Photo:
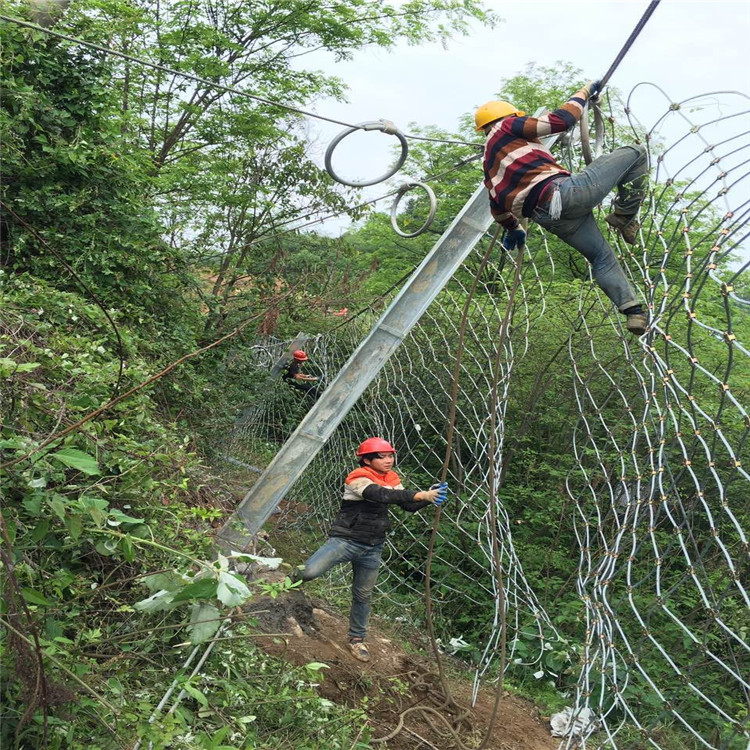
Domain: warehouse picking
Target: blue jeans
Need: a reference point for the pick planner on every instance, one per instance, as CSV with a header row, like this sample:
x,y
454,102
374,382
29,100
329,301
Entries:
x,y
365,562
625,167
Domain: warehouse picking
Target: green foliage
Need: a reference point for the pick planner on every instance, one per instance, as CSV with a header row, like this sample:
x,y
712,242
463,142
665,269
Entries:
x,y
171,200
227,171
74,182
540,423
212,587
86,519
159,200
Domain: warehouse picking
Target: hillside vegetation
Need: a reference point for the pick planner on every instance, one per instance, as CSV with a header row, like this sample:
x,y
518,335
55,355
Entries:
x,y
144,219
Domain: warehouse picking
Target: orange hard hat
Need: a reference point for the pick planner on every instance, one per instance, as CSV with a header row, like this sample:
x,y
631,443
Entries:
x,y
375,445
300,356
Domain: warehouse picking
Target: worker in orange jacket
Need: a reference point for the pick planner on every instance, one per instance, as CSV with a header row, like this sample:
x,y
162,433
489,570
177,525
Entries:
x,y
358,532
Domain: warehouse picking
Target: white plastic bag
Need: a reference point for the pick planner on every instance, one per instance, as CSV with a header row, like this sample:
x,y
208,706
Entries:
x,y
572,723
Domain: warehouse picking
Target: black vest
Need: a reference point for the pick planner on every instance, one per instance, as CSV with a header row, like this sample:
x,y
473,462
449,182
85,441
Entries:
x,y
362,522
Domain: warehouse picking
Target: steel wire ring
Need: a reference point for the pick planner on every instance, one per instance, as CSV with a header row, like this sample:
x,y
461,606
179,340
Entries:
x,y
385,126
405,188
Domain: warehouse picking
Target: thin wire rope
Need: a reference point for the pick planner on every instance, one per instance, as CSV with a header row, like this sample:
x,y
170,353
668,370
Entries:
x,y
494,486
446,460
212,84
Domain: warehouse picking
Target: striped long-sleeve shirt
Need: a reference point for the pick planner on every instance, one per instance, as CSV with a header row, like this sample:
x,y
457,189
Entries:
x,y
517,166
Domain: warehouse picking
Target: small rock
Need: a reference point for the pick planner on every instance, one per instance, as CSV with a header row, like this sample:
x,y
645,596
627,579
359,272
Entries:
x,y
294,627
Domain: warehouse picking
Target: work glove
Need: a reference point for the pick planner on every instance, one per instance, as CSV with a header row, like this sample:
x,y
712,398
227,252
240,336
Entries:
x,y
595,90
442,496
514,238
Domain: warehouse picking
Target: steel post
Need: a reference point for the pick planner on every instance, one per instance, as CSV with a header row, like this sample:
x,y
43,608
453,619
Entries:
x,y
359,371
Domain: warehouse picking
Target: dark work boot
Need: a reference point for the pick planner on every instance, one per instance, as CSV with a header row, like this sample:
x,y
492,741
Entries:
x,y
637,320
627,225
637,324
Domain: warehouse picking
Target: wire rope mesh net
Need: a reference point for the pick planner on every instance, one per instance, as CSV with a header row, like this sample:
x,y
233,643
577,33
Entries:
x,y
619,491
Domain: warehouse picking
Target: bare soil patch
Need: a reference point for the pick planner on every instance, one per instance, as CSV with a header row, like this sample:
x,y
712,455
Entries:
x,y
395,683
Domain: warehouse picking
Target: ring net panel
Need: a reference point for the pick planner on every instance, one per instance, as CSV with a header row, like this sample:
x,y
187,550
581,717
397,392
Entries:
x,y
621,547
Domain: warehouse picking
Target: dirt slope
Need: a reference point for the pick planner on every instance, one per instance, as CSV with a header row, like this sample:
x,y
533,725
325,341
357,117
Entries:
x,y
394,681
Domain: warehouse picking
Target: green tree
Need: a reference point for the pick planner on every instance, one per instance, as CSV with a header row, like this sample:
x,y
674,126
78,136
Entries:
x,y
74,182
231,168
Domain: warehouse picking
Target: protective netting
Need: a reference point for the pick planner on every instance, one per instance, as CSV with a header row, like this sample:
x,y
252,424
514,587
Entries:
x,y
623,548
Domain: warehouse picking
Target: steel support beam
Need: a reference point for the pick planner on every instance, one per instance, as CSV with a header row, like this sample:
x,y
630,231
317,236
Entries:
x,y
334,404
359,371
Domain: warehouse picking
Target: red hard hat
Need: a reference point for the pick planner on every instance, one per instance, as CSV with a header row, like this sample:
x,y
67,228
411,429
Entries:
x,y
375,445
300,355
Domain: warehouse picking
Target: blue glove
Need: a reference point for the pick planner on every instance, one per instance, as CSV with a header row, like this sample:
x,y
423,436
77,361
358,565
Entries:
x,y
442,488
514,238
596,89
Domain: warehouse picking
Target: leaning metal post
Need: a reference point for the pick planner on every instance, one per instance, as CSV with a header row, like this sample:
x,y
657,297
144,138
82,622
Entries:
x,y
359,371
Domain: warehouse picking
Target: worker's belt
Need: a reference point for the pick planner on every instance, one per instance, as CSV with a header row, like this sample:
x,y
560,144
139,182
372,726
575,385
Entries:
x,y
547,192
541,194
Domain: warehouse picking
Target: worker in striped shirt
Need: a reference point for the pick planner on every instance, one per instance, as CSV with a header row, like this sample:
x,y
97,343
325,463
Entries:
x,y
524,180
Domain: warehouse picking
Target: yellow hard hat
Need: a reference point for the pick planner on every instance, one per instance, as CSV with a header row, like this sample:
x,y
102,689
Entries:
x,y
494,111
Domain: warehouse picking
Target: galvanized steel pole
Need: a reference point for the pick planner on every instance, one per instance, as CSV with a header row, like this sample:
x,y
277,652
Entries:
x,y
335,402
